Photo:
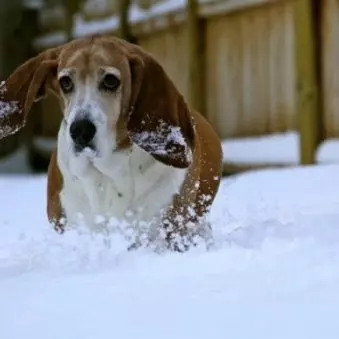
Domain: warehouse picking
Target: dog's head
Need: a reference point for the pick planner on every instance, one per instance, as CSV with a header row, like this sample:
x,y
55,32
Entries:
x,y
113,94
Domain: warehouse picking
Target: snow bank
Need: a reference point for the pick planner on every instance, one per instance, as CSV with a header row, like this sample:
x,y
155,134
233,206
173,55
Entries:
x,y
274,149
15,163
273,274
328,151
136,15
270,149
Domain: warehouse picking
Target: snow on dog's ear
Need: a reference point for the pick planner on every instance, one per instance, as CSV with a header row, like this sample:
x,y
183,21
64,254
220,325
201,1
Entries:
x,y
159,120
23,87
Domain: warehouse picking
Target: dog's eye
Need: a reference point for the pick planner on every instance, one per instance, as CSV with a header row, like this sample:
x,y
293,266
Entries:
x,y
110,82
66,84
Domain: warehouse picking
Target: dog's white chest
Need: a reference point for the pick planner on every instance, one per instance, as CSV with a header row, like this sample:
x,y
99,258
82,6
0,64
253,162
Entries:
x,y
131,187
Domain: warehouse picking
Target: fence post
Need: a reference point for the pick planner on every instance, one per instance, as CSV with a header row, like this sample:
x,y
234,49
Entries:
x,y
196,57
124,26
71,7
308,107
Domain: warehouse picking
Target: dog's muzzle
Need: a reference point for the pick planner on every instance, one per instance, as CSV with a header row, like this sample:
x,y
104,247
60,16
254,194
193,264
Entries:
x,y
82,132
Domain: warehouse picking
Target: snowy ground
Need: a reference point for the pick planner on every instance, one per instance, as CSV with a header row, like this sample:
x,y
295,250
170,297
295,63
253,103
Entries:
x,y
275,149
273,274
272,149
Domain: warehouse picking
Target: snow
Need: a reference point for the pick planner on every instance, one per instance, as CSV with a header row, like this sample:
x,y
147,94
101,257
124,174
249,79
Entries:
x,y
165,139
272,274
83,28
272,149
7,107
275,149
16,163
328,151
45,143
32,4
136,15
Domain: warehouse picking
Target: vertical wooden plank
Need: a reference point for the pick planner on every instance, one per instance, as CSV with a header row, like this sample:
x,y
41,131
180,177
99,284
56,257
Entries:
x,y
179,63
261,61
124,26
224,80
182,69
307,86
246,37
288,91
196,63
280,117
169,47
212,105
275,66
330,57
230,92
71,8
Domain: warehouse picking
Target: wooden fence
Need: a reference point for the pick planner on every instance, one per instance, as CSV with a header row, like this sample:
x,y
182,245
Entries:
x,y
268,65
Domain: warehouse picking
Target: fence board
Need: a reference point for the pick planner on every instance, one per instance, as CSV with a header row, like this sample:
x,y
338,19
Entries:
x,y
250,71
170,49
330,57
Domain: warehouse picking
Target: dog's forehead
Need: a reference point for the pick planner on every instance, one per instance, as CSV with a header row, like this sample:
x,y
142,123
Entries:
x,y
89,58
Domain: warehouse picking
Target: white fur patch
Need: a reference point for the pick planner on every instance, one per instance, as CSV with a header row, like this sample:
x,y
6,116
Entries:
x,y
132,187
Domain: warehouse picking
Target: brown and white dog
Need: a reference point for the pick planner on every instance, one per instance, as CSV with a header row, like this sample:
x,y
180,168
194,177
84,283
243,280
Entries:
x,y
128,146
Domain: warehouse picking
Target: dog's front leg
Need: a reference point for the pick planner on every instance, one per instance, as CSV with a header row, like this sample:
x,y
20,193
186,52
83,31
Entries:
x,y
54,186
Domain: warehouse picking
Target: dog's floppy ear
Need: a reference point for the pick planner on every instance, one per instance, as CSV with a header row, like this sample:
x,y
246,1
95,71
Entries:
x,y
159,120
23,87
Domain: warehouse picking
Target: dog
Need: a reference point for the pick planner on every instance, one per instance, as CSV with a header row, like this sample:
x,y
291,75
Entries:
x,y
128,147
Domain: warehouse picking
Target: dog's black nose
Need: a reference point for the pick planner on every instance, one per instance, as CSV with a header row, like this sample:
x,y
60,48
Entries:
x,y
82,132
